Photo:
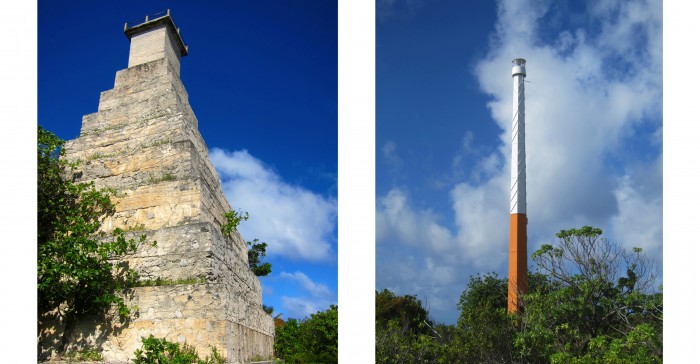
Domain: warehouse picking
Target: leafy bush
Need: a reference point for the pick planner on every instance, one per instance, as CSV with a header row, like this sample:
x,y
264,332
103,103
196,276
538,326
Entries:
x,y
162,351
256,249
591,301
233,219
87,354
396,343
407,310
404,333
75,273
256,253
312,340
600,306
287,342
485,329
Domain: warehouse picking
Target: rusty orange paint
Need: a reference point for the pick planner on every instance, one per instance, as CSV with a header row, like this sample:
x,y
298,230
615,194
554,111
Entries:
x,y
517,260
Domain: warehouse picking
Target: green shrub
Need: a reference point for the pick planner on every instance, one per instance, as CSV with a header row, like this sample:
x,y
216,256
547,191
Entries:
x,y
167,282
312,340
233,219
87,354
256,249
167,177
162,351
77,270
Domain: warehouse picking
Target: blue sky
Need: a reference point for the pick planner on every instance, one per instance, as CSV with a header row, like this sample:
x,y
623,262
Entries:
x,y
262,81
443,111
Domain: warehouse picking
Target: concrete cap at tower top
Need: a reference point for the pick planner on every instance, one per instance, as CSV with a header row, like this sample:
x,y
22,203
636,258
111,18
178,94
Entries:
x,y
167,20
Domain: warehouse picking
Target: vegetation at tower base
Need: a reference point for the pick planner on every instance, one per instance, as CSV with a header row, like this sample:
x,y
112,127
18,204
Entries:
x,y
311,340
406,310
256,250
403,332
600,305
590,301
161,351
76,276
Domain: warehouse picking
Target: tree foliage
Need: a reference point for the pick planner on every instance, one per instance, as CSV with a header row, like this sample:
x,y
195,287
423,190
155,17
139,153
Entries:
x,y
256,249
76,267
404,333
233,219
485,330
256,253
268,309
589,301
312,340
407,311
161,351
601,303
287,343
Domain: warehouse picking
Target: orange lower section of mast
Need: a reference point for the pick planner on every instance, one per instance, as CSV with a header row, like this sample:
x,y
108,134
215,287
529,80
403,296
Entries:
x,y
517,260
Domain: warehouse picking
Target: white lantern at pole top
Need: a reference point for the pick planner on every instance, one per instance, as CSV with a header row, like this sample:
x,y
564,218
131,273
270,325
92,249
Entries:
x,y
519,67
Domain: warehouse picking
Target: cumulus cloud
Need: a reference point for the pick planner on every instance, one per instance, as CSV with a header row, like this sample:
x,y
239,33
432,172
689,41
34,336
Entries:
x,y
430,260
295,222
395,218
314,289
640,198
319,297
464,152
436,279
591,90
300,308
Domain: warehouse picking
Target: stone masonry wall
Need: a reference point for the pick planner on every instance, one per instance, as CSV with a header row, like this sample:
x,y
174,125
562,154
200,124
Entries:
x,y
143,142
154,44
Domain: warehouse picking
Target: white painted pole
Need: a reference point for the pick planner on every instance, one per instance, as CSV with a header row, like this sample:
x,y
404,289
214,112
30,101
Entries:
x,y
517,167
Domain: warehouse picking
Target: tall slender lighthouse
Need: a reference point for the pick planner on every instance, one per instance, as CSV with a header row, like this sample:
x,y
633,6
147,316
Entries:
x,y
517,252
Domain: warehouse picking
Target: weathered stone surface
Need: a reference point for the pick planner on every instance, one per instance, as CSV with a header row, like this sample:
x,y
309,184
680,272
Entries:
x,y
143,142
154,44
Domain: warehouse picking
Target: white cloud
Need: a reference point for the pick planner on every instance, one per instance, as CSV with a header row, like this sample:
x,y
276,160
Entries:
x,y
436,280
466,150
419,255
299,308
487,167
590,92
580,106
295,222
637,224
314,289
319,297
396,219
391,156
481,222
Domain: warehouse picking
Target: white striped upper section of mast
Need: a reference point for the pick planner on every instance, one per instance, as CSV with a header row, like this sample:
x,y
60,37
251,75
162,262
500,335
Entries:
x,y
517,166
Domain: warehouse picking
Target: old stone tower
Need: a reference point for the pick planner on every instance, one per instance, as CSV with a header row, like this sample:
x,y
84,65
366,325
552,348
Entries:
x,y
143,141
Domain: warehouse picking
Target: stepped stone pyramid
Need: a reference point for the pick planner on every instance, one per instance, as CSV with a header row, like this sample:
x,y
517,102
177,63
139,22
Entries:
x,y
143,141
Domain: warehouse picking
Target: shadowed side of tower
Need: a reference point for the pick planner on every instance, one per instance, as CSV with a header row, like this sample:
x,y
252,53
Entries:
x,y
517,252
144,142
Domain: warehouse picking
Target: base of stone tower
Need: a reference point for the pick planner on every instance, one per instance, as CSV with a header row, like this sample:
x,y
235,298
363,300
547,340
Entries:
x,y
223,309
187,313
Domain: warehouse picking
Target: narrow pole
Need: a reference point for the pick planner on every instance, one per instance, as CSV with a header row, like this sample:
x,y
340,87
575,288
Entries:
x,y
517,253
